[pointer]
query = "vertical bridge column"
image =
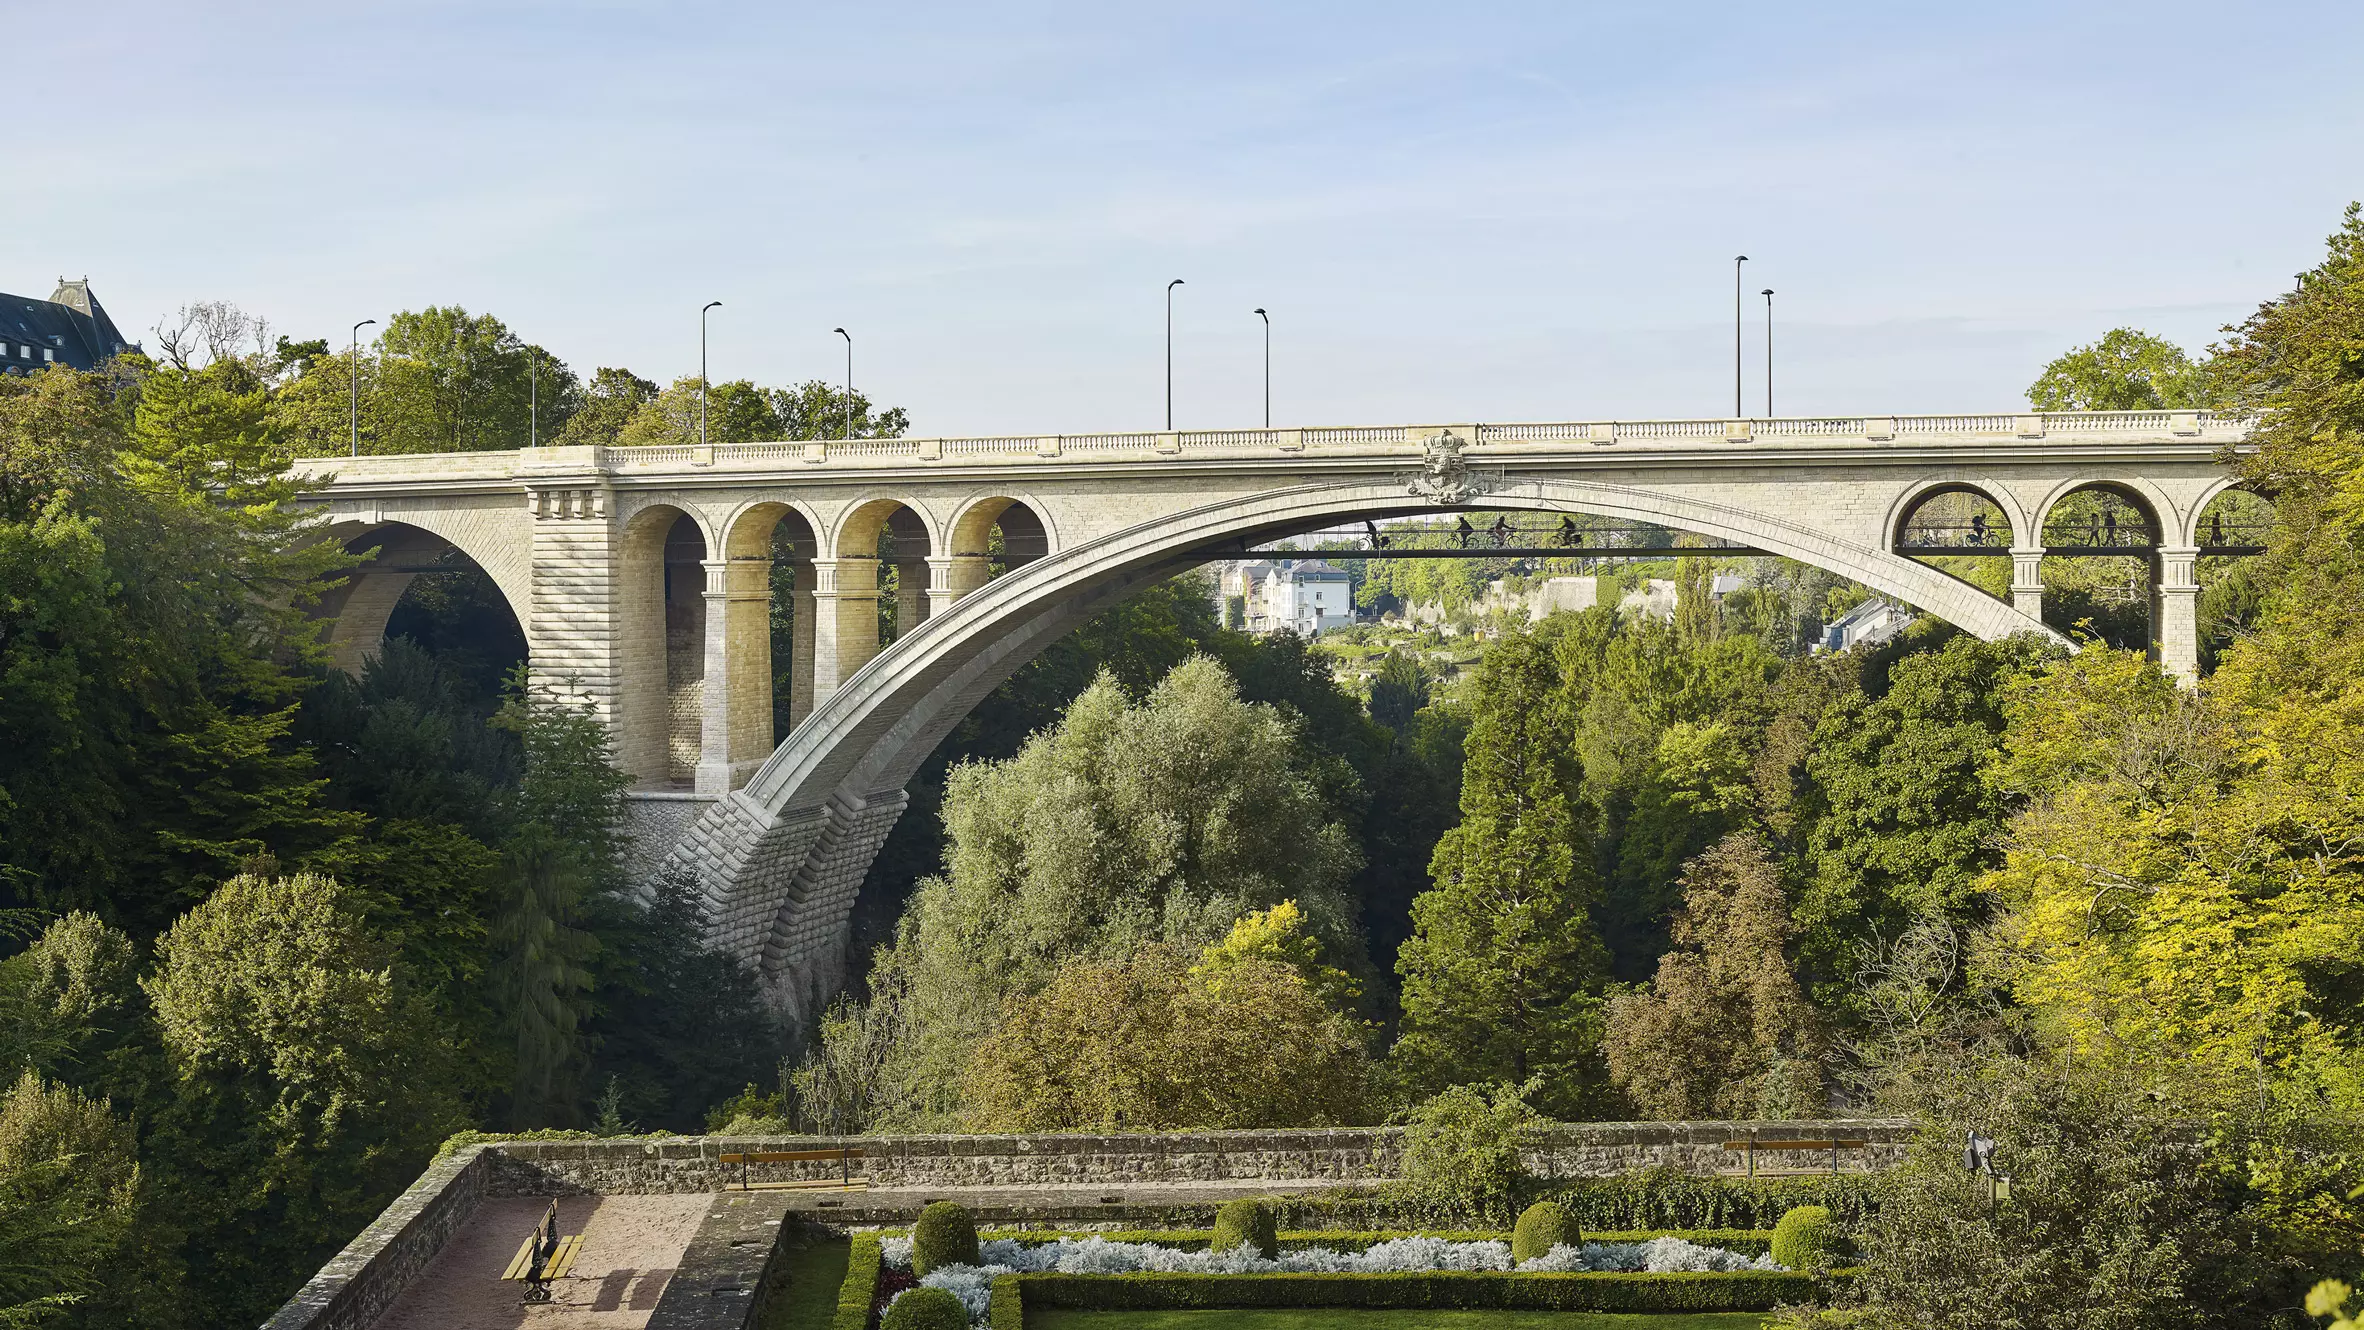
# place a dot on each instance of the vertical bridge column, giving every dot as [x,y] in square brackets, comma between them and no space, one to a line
[955,576]
[2027,580]
[735,733]
[2175,612]
[845,620]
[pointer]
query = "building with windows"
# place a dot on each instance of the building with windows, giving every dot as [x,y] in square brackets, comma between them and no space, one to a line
[1307,598]
[71,328]
[1868,624]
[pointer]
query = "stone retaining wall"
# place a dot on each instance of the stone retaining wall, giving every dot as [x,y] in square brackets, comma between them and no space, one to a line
[365,1278]
[1341,1156]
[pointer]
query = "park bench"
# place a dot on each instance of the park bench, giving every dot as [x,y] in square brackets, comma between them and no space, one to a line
[546,1254]
[1750,1148]
[845,1180]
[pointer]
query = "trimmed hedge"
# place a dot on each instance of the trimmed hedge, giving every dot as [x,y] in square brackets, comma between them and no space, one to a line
[926,1309]
[1659,1199]
[1746,1241]
[861,1284]
[1805,1239]
[1007,1309]
[1744,1291]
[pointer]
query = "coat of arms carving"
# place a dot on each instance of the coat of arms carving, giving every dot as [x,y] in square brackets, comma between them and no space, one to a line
[1446,478]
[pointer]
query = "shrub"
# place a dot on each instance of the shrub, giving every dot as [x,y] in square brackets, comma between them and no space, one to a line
[926,1309]
[1541,1227]
[944,1235]
[1750,1291]
[1461,1152]
[1805,1239]
[1246,1222]
[860,1288]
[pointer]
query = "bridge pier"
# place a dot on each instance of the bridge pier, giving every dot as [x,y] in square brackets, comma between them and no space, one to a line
[2175,612]
[2027,580]
[845,620]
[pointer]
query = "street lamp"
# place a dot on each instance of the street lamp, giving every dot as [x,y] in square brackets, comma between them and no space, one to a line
[1267,365]
[1768,353]
[711,304]
[533,398]
[1736,262]
[1170,353]
[353,382]
[849,380]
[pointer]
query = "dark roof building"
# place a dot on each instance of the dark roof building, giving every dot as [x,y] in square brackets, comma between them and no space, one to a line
[70,328]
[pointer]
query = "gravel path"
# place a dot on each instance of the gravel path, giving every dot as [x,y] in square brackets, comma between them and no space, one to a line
[631,1247]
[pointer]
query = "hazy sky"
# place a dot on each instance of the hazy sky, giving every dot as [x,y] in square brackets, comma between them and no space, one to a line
[1454,212]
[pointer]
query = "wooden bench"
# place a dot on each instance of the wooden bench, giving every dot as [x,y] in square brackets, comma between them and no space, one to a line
[546,1254]
[846,1181]
[1748,1150]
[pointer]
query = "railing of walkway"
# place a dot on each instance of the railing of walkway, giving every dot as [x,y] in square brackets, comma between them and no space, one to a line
[1363,440]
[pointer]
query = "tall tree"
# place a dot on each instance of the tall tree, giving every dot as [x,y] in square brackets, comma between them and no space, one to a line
[1724,1030]
[308,1084]
[1502,974]
[563,850]
[2127,370]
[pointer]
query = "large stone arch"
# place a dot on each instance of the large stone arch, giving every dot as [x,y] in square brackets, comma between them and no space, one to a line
[782,858]
[357,612]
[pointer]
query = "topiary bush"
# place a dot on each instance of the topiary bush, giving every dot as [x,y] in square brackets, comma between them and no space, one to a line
[1805,1239]
[944,1235]
[926,1309]
[1541,1227]
[1247,1222]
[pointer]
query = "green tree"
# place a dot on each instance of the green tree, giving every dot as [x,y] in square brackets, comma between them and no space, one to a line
[1125,823]
[610,401]
[308,1085]
[1502,974]
[69,1196]
[563,851]
[1146,1044]
[1903,818]
[2127,370]
[1724,1030]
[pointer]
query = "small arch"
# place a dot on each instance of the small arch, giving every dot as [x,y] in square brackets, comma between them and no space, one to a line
[2140,494]
[661,617]
[2100,570]
[1952,518]
[2231,519]
[2014,517]
[2103,515]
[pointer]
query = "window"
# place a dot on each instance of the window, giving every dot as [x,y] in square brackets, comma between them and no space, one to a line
[47,354]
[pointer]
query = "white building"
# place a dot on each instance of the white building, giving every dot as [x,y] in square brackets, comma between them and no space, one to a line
[1872,622]
[1306,598]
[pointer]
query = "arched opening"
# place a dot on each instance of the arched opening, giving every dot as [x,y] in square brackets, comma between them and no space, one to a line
[874,589]
[2228,530]
[1961,531]
[2100,573]
[991,537]
[418,585]
[770,547]
[661,629]
[793,546]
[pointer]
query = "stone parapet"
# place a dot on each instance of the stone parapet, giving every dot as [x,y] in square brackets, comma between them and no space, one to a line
[365,1278]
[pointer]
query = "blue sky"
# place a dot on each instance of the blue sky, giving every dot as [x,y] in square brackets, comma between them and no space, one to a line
[1454,212]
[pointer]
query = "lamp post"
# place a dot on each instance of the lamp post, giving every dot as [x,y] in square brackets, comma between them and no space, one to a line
[1768,352]
[849,380]
[1736,262]
[353,382]
[711,304]
[1170,353]
[533,398]
[1267,365]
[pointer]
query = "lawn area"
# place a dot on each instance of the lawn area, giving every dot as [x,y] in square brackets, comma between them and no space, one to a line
[804,1286]
[1347,1318]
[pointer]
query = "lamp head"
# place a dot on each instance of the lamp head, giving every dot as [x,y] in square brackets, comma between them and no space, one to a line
[1261,314]
[843,333]
[1174,283]
[711,304]
[1768,291]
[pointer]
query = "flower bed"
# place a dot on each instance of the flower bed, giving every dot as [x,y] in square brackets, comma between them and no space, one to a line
[1650,1273]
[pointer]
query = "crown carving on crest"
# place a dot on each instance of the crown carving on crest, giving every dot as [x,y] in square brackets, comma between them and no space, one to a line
[1446,477]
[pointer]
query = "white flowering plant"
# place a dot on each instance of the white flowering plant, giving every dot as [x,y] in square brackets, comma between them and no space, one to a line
[973,1284]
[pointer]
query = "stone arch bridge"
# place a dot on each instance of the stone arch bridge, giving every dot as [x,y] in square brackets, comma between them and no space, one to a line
[643,577]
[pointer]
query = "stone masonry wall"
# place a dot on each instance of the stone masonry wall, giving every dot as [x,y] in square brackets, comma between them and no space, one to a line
[1346,1155]
[363,1280]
